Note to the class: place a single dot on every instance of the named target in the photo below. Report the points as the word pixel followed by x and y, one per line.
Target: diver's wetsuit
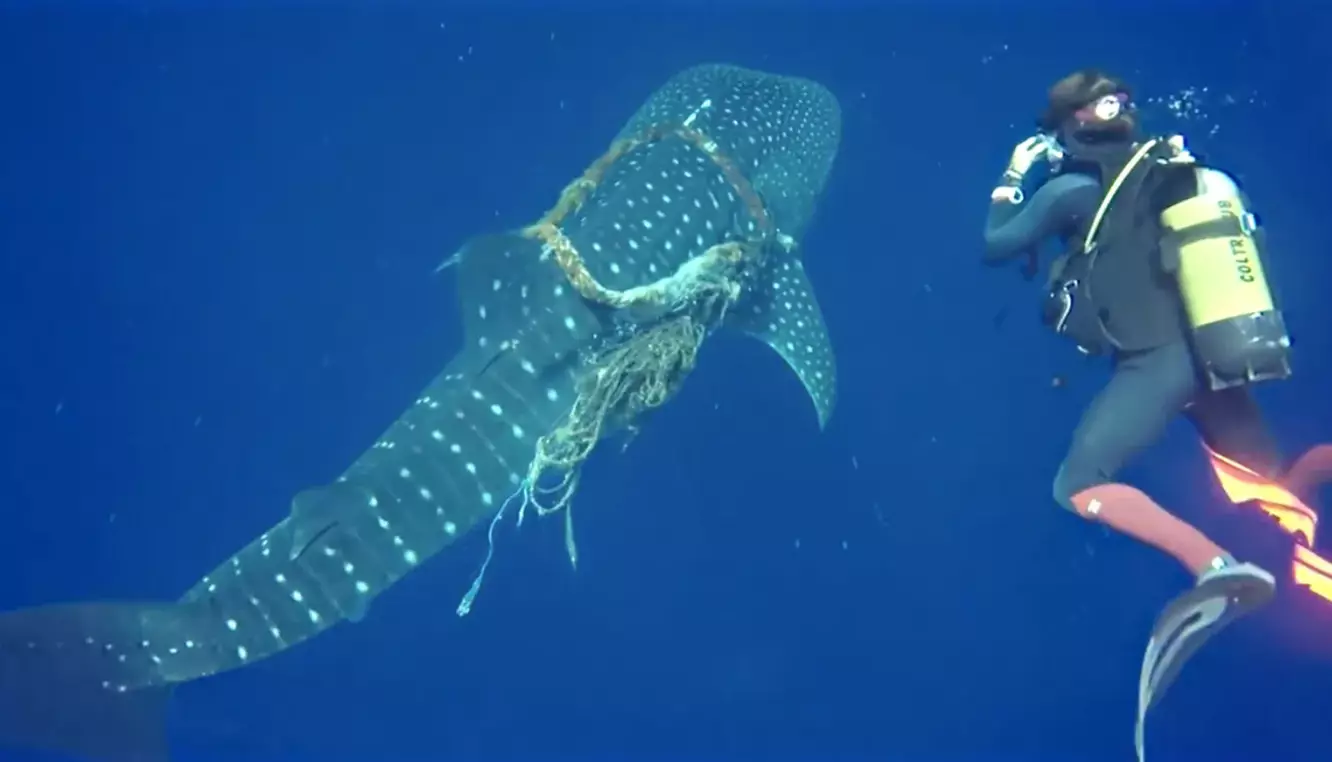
pixel 1149 386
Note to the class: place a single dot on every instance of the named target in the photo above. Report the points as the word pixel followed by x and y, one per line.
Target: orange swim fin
pixel 1313 572
pixel 1242 485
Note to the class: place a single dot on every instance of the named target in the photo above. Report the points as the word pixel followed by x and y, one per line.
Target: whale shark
pixel 574 328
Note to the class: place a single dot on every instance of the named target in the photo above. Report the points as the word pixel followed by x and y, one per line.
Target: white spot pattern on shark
pixel 445 464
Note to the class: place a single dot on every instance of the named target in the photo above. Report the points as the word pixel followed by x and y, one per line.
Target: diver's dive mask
pixel 1106 108
pixel 1106 118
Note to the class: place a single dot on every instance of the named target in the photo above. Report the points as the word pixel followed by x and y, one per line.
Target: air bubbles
pixel 1197 111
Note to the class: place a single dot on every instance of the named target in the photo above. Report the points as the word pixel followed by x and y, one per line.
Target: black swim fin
pixel 1188 622
pixel 64 688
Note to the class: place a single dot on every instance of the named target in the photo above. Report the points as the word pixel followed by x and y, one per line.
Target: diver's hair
pixel 1074 92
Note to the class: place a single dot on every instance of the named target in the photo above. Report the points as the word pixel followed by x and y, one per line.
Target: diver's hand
pixel 1024 156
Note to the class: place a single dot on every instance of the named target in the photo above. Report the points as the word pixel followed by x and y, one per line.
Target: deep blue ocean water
pixel 217 236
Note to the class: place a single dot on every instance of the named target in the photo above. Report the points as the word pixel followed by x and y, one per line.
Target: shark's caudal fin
pixel 65 688
pixel 781 311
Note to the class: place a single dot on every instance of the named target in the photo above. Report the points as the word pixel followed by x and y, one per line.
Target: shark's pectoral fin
pixel 780 310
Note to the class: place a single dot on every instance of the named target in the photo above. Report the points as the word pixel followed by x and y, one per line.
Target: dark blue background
pixel 217 231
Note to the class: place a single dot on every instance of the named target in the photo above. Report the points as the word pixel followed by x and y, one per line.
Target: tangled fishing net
pixel 668 321
pixel 664 324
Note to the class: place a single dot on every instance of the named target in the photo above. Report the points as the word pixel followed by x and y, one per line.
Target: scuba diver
pixel 1161 274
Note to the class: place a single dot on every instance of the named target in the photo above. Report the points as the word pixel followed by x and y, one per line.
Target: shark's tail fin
pixel 64 687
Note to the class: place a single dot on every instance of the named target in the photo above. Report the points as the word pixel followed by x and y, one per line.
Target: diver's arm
pixel 1013 229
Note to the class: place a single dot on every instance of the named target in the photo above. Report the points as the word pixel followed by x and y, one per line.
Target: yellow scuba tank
pixel 1239 336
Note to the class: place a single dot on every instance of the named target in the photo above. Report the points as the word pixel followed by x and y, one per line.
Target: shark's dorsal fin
pixel 505 289
pixel 781 310
pixel 493 273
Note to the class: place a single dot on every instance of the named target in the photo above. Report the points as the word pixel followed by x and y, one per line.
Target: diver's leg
pixel 1146 391
pixel 1247 460
pixel 1225 589
pixel 1231 424
pixel 1249 467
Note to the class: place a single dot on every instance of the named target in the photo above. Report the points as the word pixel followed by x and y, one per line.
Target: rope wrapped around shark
pixel 641 370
